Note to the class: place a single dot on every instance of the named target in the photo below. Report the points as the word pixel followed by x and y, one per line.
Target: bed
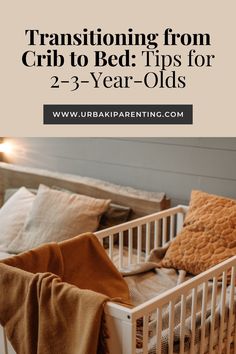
pixel 196 315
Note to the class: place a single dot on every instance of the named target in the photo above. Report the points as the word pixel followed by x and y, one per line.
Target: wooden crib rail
pixel 142 235
pixel 222 328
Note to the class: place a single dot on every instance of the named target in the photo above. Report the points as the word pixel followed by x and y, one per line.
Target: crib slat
pixel 130 248
pixel 147 250
pixel 121 246
pixel 129 337
pixel 156 234
pixel 180 221
pixel 134 328
pixel 203 317
pixel 182 323
pixel 139 250
pixel 145 334
pixel 159 331
pixel 222 311
pixel 164 230
pixel 172 227
pixel 171 327
pixel 193 319
pixel 213 310
pixel 231 307
pixel 111 243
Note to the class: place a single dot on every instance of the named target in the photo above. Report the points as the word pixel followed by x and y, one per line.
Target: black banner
pixel 117 114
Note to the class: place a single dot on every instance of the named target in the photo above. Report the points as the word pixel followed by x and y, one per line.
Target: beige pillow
pixel 56 216
pixel 208 236
pixel 13 215
pixel 114 215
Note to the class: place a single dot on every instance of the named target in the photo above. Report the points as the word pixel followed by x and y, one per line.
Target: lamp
pixel 6 148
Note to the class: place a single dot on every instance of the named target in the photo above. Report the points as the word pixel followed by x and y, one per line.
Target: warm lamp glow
pixel 6 148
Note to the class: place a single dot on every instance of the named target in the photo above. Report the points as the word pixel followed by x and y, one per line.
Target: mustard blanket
pixel 52 297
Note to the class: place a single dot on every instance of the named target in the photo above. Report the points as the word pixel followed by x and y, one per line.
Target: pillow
pixel 208 236
pixel 13 215
pixel 56 216
pixel 115 214
pixel 10 191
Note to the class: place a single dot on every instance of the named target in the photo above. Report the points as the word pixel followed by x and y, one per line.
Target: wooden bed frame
pixel 157 228
pixel 141 202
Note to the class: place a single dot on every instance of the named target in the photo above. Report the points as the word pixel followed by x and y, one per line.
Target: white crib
pixel 160 228
pixel 156 230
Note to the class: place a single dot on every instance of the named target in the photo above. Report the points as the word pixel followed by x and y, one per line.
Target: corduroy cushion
pixel 208 236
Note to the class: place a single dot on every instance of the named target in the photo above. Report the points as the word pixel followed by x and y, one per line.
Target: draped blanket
pixel 52 297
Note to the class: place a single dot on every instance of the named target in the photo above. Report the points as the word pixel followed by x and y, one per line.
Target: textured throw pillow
pixel 13 215
pixel 56 216
pixel 208 236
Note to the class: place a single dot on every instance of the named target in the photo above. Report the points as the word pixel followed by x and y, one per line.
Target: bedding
pixel 9 192
pixel 114 215
pixel 56 216
pixel 80 261
pixel 146 279
pixel 12 216
pixel 208 236
pixel 4 255
pixel 33 320
pixel 84 278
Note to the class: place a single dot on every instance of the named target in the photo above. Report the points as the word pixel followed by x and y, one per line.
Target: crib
pixel 132 243
pixel 157 229
pixel 122 322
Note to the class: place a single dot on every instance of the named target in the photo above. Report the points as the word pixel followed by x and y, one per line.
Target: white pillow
pixel 56 216
pixel 13 215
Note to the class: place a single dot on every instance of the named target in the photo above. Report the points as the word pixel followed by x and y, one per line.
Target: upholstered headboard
pixel 141 202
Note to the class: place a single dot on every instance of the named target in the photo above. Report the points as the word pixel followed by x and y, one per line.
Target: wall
pixel 173 165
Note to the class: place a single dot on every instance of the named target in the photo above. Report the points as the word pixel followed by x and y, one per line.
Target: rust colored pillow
pixel 208 236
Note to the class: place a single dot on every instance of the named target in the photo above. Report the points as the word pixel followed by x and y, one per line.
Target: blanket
pixel 43 315
pixel 81 261
pixel 53 296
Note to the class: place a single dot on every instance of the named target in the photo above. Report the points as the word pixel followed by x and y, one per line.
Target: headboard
pixel 141 202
